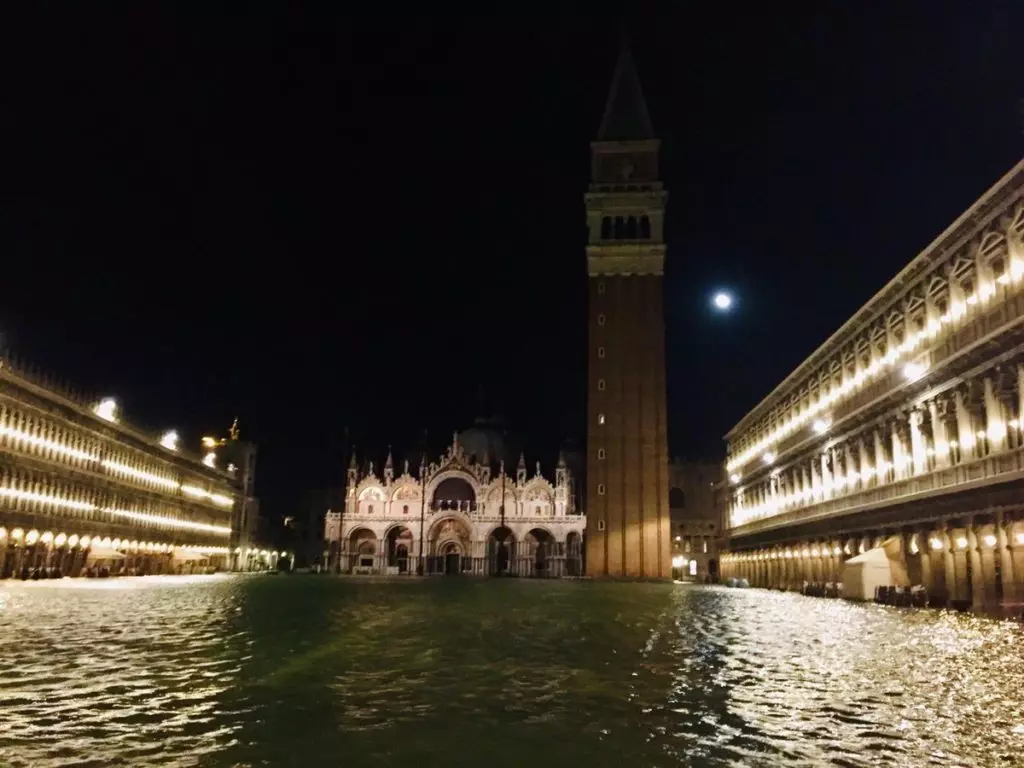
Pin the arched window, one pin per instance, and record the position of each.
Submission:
(369, 510)
(631, 228)
(606, 228)
(405, 509)
(645, 228)
(620, 228)
(676, 498)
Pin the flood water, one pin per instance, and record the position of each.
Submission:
(318, 670)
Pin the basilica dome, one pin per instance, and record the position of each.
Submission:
(488, 438)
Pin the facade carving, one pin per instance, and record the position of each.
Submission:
(476, 520)
(909, 416)
(81, 492)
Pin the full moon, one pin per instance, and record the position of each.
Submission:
(722, 301)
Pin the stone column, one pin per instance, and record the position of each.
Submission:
(924, 548)
(979, 582)
(1011, 586)
(995, 422)
(881, 459)
(968, 441)
(917, 442)
(940, 440)
(948, 562)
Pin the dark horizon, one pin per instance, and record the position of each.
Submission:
(312, 222)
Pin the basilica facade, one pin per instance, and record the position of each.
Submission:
(460, 515)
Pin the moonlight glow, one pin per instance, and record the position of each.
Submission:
(722, 301)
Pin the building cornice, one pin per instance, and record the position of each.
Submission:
(975, 218)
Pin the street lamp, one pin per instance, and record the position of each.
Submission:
(423, 509)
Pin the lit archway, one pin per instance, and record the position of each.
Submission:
(399, 545)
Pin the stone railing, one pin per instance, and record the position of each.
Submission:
(995, 468)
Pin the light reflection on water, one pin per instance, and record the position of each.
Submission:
(238, 671)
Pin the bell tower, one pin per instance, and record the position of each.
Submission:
(628, 527)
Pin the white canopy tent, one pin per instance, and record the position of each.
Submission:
(104, 553)
(186, 556)
(878, 567)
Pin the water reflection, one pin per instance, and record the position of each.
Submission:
(240, 671)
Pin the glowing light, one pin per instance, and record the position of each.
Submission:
(106, 409)
(222, 500)
(836, 550)
(768, 457)
(73, 540)
(85, 542)
(820, 426)
(961, 542)
(722, 301)
(678, 561)
(139, 474)
(209, 442)
(679, 538)
(981, 434)
(47, 537)
(3, 533)
(60, 539)
(169, 440)
(32, 537)
(17, 534)
(914, 371)
(735, 477)
(953, 444)
(41, 442)
(210, 459)
(1020, 538)
(990, 540)
(1013, 423)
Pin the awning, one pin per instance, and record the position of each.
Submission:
(104, 553)
(185, 556)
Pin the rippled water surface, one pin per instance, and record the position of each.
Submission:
(310, 671)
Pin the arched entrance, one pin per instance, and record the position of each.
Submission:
(449, 541)
(362, 550)
(574, 554)
(540, 546)
(500, 546)
(399, 541)
(452, 559)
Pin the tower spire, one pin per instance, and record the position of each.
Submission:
(625, 113)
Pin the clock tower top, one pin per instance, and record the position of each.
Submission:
(626, 200)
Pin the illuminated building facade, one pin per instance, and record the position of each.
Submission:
(903, 431)
(84, 493)
(627, 432)
(477, 520)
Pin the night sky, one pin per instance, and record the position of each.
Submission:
(313, 221)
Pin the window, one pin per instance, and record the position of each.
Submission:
(537, 512)
(369, 510)
(600, 419)
(600, 286)
(693, 567)
(600, 319)
(405, 510)
(600, 352)
(600, 453)
(600, 385)
(600, 489)
(705, 546)
(600, 525)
